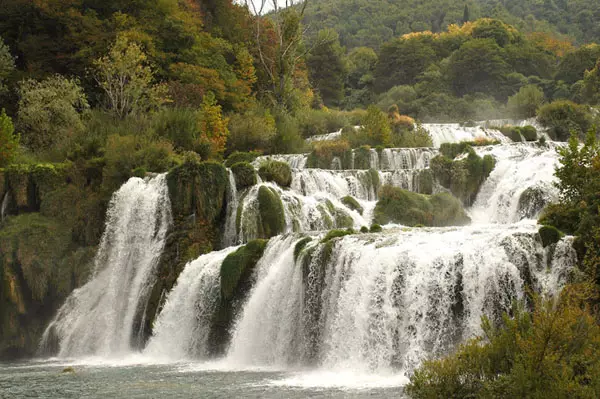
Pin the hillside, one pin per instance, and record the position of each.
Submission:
(373, 22)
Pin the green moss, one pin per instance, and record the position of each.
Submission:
(245, 175)
(550, 235)
(237, 157)
(336, 234)
(374, 176)
(400, 206)
(239, 265)
(139, 172)
(375, 228)
(425, 182)
(341, 218)
(364, 229)
(452, 150)
(277, 172)
(272, 216)
(324, 152)
(529, 133)
(352, 203)
(21, 187)
(300, 245)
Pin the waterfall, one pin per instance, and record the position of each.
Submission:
(98, 318)
(454, 133)
(521, 171)
(375, 303)
(182, 328)
(229, 232)
(357, 183)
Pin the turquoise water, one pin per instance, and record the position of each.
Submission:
(46, 379)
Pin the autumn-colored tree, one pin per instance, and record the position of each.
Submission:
(213, 126)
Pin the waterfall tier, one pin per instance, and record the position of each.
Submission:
(98, 318)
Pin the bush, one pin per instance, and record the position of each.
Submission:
(526, 102)
(251, 131)
(529, 133)
(375, 228)
(352, 203)
(562, 117)
(512, 132)
(245, 175)
(364, 229)
(549, 235)
(376, 127)
(178, 125)
(324, 151)
(314, 122)
(552, 352)
(276, 171)
(9, 141)
(236, 157)
(400, 206)
(50, 111)
(288, 139)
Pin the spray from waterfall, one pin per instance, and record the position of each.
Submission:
(98, 318)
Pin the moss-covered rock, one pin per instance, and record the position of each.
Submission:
(376, 228)
(272, 215)
(336, 234)
(341, 218)
(237, 157)
(400, 206)
(277, 172)
(550, 235)
(21, 187)
(300, 245)
(245, 175)
(238, 266)
(236, 273)
(529, 133)
(362, 157)
(531, 202)
(425, 182)
(324, 152)
(352, 203)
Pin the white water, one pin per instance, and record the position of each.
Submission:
(453, 133)
(229, 231)
(182, 329)
(97, 319)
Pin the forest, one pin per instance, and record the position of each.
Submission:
(94, 92)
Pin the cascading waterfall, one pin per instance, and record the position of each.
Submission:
(98, 318)
(229, 232)
(520, 185)
(453, 133)
(182, 328)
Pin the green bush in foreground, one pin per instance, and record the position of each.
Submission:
(552, 352)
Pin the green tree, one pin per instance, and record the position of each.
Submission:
(327, 67)
(7, 65)
(50, 111)
(478, 67)
(376, 127)
(127, 80)
(563, 117)
(526, 102)
(9, 141)
(552, 352)
(466, 14)
(591, 85)
(574, 64)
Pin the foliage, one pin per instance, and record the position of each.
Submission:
(327, 69)
(549, 235)
(591, 85)
(336, 234)
(245, 175)
(127, 80)
(463, 177)
(376, 127)
(50, 111)
(562, 117)
(526, 102)
(288, 139)
(213, 126)
(376, 228)
(552, 352)
(252, 131)
(9, 141)
(237, 156)
(276, 171)
(322, 121)
(400, 206)
(325, 151)
(7, 65)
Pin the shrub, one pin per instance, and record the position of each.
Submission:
(512, 132)
(50, 111)
(276, 171)
(377, 127)
(526, 102)
(178, 125)
(288, 139)
(253, 130)
(411, 138)
(352, 203)
(364, 229)
(9, 141)
(375, 228)
(529, 133)
(562, 117)
(549, 235)
(400, 206)
(324, 151)
(245, 175)
(552, 352)
(236, 157)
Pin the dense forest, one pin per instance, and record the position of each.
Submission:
(93, 92)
